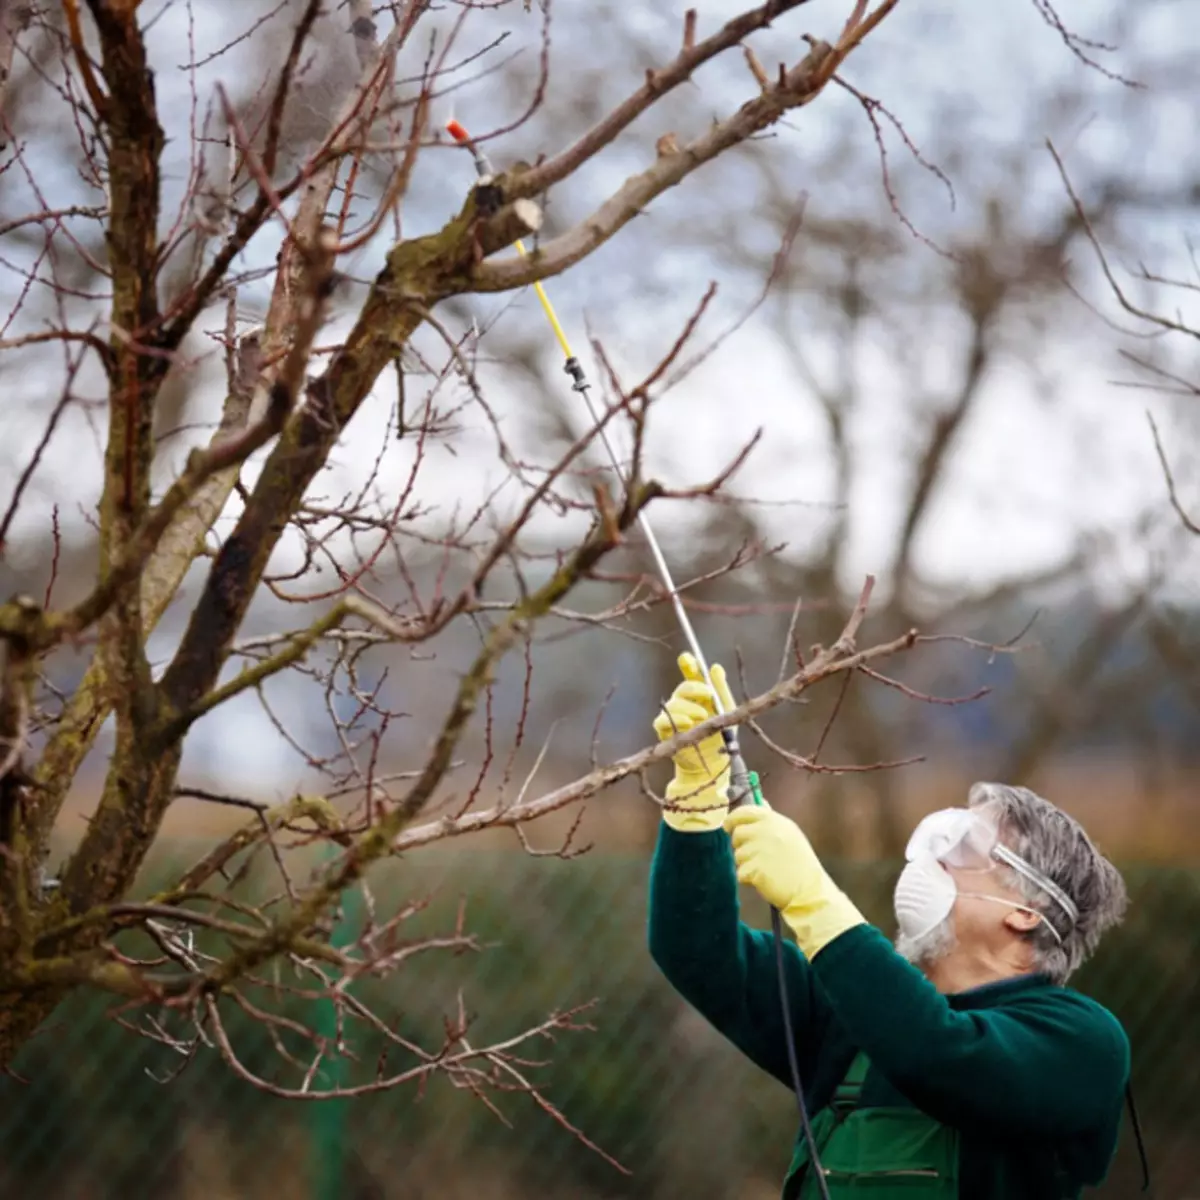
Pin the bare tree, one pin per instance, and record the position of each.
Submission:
(124, 294)
(904, 331)
(1151, 320)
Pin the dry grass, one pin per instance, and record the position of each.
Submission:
(1129, 819)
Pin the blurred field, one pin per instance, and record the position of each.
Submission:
(1130, 814)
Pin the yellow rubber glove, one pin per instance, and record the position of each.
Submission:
(698, 792)
(775, 858)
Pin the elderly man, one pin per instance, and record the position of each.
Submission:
(954, 1064)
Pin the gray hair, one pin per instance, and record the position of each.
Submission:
(1056, 845)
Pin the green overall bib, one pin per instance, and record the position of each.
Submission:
(875, 1153)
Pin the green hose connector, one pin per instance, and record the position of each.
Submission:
(755, 790)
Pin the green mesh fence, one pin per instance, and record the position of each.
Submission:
(91, 1117)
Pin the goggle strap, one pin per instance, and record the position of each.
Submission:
(1018, 864)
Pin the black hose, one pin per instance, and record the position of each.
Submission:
(1137, 1133)
(789, 1038)
(739, 789)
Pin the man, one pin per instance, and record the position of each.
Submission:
(955, 1064)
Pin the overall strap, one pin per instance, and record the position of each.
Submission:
(844, 1101)
(848, 1093)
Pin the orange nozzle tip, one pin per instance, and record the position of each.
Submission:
(457, 132)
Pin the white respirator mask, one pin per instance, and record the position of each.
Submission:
(957, 837)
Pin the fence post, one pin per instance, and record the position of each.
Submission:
(329, 1116)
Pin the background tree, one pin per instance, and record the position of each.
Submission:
(943, 411)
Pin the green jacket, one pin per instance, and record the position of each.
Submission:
(1031, 1075)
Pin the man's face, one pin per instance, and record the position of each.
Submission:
(985, 912)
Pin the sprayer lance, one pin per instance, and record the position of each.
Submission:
(743, 784)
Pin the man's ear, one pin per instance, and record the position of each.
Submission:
(1021, 920)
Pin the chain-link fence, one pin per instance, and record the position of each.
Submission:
(652, 1085)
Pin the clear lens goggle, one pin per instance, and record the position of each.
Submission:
(963, 839)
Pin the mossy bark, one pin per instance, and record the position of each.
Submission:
(150, 731)
(134, 140)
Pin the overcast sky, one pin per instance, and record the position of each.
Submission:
(1028, 475)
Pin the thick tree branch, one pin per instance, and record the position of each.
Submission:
(797, 87)
(135, 141)
(129, 803)
(172, 535)
(136, 793)
(658, 83)
(418, 273)
(167, 542)
(138, 788)
(94, 969)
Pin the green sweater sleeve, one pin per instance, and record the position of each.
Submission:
(1048, 1062)
(722, 967)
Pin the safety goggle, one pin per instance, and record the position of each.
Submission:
(963, 839)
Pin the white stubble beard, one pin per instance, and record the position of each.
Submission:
(930, 947)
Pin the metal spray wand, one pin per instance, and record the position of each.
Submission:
(742, 782)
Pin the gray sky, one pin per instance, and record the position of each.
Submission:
(1029, 473)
